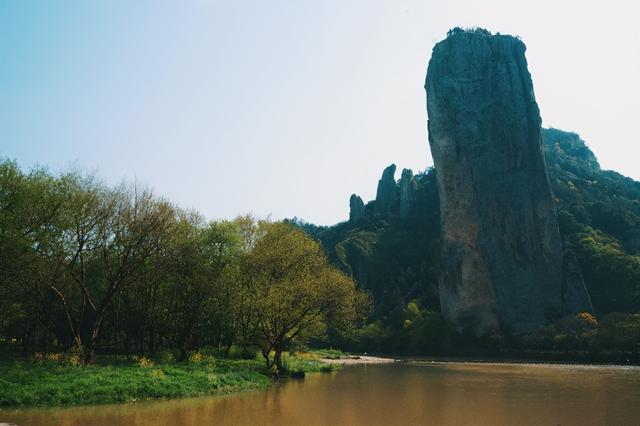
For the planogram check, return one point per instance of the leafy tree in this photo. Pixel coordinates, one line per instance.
(296, 293)
(31, 208)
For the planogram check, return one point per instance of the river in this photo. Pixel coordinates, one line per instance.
(393, 394)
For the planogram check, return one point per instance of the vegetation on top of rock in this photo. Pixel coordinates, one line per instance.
(470, 30)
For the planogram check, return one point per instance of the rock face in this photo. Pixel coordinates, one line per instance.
(356, 208)
(387, 190)
(575, 297)
(502, 256)
(407, 192)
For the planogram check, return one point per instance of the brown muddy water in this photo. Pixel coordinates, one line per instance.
(393, 394)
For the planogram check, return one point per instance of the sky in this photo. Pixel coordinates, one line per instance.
(285, 108)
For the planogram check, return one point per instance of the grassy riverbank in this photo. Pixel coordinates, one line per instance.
(56, 382)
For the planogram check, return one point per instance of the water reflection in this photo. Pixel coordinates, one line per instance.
(424, 393)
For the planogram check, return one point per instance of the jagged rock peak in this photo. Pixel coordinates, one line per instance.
(356, 208)
(502, 257)
(408, 187)
(387, 190)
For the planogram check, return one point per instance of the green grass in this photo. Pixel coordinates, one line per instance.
(307, 362)
(329, 353)
(52, 383)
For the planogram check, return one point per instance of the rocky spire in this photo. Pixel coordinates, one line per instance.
(502, 257)
(407, 191)
(387, 190)
(356, 208)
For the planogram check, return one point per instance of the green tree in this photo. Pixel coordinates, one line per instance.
(31, 207)
(295, 292)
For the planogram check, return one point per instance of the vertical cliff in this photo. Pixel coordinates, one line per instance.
(356, 208)
(502, 256)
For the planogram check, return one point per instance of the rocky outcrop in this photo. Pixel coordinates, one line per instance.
(407, 191)
(387, 192)
(356, 208)
(502, 257)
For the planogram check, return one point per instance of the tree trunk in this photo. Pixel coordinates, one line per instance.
(91, 341)
(25, 342)
(278, 361)
(265, 355)
(89, 351)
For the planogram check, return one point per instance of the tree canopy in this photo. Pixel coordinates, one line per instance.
(99, 269)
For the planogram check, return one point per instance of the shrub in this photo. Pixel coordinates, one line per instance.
(157, 374)
(248, 352)
(587, 319)
(201, 358)
(53, 357)
(75, 355)
(329, 353)
(165, 357)
(143, 361)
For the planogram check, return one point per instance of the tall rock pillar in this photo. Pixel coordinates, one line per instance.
(408, 188)
(502, 256)
(356, 208)
(387, 191)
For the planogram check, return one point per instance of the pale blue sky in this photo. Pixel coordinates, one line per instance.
(285, 107)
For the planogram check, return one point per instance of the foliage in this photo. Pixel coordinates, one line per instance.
(92, 269)
(599, 217)
(87, 269)
(143, 361)
(473, 30)
(298, 367)
(396, 258)
(612, 275)
(295, 293)
(329, 353)
(614, 333)
(412, 330)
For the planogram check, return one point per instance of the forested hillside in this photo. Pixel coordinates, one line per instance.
(396, 258)
(599, 218)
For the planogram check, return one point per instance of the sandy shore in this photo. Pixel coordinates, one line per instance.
(359, 359)
(365, 359)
